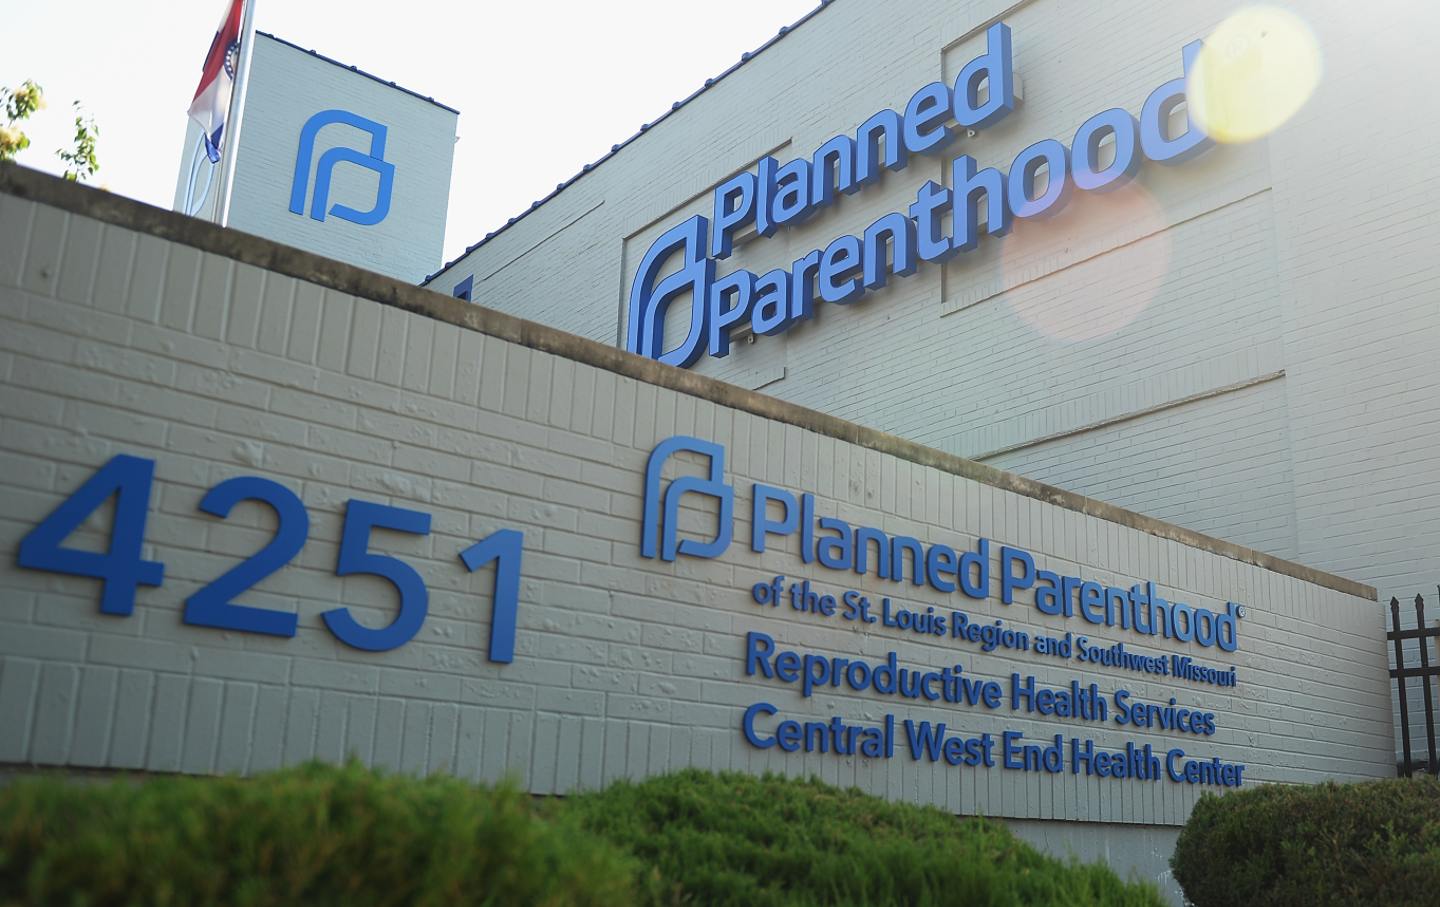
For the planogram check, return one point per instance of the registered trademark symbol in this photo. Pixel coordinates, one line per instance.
(1240, 611)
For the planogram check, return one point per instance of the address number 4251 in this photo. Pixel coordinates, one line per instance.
(122, 569)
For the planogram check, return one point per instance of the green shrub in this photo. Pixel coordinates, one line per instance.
(1371, 843)
(308, 836)
(733, 839)
(318, 836)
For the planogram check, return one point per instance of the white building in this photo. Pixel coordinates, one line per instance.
(1245, 344)
(354, 518)
(333, 160)
(1238, 353)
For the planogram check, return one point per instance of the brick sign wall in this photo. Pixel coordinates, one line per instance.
(260, 508)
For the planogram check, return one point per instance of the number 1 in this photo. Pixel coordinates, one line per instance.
(505, 547)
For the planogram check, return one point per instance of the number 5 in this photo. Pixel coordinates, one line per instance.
(355, 557)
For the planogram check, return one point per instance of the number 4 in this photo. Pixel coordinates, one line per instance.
(120, 570)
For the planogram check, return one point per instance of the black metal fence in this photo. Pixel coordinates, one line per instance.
(1428, 673)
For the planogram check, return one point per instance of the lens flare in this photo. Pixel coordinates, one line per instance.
(1112, 281)
(1256, 71)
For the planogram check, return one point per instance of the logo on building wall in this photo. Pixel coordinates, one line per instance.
(661, 537)
(944, 221)
(374, 161)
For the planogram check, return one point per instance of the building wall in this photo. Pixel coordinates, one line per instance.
(133, 331)
(1302, 254)
(1145, 464)
(1133, 851)
(1303, 261)
(288, 86)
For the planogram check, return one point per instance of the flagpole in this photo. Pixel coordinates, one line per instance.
(231, 140)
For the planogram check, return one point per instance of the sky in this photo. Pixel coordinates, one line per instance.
(613, 64)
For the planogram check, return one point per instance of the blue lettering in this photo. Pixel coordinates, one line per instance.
(1155, 138)
(747, 725)
(734, 208)
(771, 313)
(995, 66)
(739, 286)
(894, 232)
(925, 117)
(1085, 151)
(1037, 184)
(792, 187)
(1010, 581)
(839, 271)
(762, 525)
(758, 647)
(834, 167)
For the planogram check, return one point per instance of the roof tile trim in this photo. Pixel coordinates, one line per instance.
(357, 71)
(644, 128)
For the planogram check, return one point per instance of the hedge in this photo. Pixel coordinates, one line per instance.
(1376, 842)
(312, 835)
(733, 839)
(318, 835)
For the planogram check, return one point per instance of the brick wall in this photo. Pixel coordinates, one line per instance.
(127, 330)
(1254, 259)
(1308, 254)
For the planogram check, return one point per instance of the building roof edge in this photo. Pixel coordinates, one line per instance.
(615, 149)
(357, 70)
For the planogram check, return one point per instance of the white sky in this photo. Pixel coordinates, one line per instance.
(566, 78)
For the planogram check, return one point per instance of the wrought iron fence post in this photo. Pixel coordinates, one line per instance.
(1433, 638)
(1434, 763)
(1400, 677)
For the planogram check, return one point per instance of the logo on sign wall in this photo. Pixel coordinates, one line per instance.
(660, 538)
(836, 544)
(374, 161)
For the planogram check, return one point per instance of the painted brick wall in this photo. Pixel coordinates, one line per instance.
(1252, 260)
(1154, 469)
(116, 340)
(1308, 253)
(1121, 304)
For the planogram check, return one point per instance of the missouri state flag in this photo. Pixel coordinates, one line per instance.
(217, 82)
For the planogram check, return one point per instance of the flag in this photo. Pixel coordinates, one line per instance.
(217, 81)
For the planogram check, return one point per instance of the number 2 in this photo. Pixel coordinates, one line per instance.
(214, 605)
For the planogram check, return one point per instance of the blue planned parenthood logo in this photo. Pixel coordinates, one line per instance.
(944, 221)
(980, 572)
(332, 157)
(661, 537)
